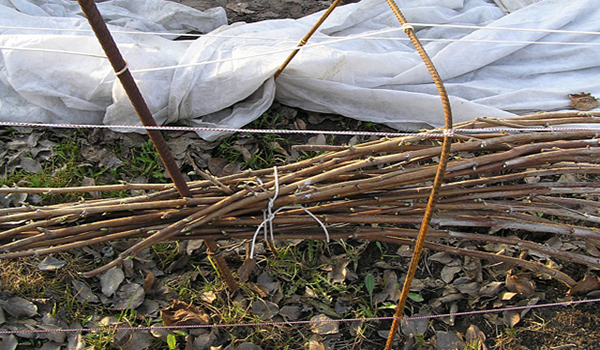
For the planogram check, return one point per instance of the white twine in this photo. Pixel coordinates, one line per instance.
(368, 35)
(123, 70)
(305, 47)
(406, 27)
(269, 215)
(414, 24)
(75, 53)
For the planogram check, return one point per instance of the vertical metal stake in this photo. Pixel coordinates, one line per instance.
(139, 104)
(439, 175)
(307, 36)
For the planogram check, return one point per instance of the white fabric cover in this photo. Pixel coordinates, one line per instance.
(370, 79)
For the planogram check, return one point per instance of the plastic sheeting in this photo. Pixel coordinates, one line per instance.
(509, 6)
(358, 65)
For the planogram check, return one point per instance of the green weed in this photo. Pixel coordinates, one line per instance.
(145, 161)
(257, 151)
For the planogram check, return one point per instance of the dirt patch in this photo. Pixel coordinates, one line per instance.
(259, 10)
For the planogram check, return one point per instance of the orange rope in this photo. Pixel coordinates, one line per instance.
(439, 176)
(307, 36)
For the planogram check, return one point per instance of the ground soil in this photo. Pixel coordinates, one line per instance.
(259, 10)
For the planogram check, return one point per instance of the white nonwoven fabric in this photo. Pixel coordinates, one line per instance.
(359, 64)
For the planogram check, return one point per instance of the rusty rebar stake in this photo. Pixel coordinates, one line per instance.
(307, 37)
(439, 175)
(139, 104)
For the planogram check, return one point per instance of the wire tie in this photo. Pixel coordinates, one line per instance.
(122, 70)
(406, 27)
(269, 215)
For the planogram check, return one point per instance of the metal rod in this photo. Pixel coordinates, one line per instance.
(139, 104)
(137, 100)
(439, 176)
(307, 36)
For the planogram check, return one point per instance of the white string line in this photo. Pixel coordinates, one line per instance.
(51, 51)
(462, 26)
(446, 133)
(158, 33)
(369, 36)
(206, 129)
(270, 215)
(416, 24)
(284, 50)
(491, 41)
(514, 42)
(292, 323)
(269, 53)
(329, 42)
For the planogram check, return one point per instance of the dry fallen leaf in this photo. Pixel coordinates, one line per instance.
(9, 343)
(405, 251)
(520, 284)
(133, 340)
(390, 290)
(589, 283)
(314, 343)
(592, 250)
(208, 297)
(205, 340)
(325, 326)
(511, 318)
(75, 340)
(266, 283)
(248, 346)
(19, 307)
(103, 156)
(265, 309)
(50, 264)
(583, 101)
(216, 165)
(149, 281)
(246, 269)
(193, 245)
(30, 165)
(183, 314)
(505, 296)
(111, 280)
(532, 301)
(338, 272)
(53, 334)
(149, 309)
(415, 326)
(448, 273)
(88, 182)
(317, 140)
(129, 296)
(83, 292)
(448, 341)
(466, 286)
(178, 264)
(491, 289)
(475, 336)
(290, 312)
(442, 258)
